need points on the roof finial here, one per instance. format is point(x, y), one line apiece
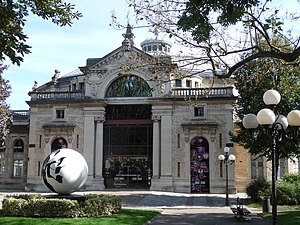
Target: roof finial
point(128, 38)
point(155, 32)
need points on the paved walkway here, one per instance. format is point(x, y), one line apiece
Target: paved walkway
point(181, 209)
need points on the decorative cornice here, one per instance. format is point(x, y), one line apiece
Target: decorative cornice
point(59, 126)
point(195, 125)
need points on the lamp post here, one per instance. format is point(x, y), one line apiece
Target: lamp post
point(227, 159)
point(274, 126)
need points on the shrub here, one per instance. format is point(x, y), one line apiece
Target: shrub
point(257, 188)
point(27, 196)
point(98, 205)
point(12, 206)
point(39, 206)
point(291, 178)
point(287, 193)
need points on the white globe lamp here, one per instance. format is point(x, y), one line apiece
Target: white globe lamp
point(250, 121)
point(294, 118)
point(271, 97)
point(266, 117)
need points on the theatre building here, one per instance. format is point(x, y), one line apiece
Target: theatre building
point(140, 120)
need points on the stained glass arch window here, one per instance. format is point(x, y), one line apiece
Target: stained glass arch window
point(59, 143)
point(199, 165)
point(129, 86)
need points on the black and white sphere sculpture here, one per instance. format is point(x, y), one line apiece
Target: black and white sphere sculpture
point(64, 171)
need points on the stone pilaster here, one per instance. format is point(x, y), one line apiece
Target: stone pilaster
point(162, 149)
point(99, 151)
point(156, 147)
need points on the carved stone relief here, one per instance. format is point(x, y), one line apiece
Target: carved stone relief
point(94, 80)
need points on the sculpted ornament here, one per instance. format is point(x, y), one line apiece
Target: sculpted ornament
point(94, 80)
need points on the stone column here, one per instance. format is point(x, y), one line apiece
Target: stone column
point(166, 145)
point(99, 147)
point(156, 147)
point(89, 136)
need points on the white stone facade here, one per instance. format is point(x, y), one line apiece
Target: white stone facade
point(62, 110)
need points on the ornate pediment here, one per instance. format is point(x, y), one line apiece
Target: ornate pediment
point(58, 129)
point(123, 60)
point(202, 128)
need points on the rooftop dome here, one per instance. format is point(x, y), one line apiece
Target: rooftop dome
point(156, 46)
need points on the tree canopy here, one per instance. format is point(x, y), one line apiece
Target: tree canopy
point(5, 113)
point(252, 80)
point(13, 19)
point(224, 30)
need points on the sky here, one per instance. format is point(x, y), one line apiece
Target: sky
point(67, 48)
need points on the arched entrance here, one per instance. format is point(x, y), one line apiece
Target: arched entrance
point(128, 135)
point(199, 165)
point(128, 146)
point(58, 143)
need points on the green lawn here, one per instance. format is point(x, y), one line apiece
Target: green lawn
point(286, 217)
point(126, 217)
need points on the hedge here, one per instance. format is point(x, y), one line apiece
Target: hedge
point(36, 205)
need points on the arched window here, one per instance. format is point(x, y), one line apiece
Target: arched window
point(2, 156)
point(129, 86)
point(2, 145)
point(19, 146)
point(59, 143)
point(199, 165)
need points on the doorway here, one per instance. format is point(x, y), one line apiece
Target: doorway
point(128, 138)
point(199, 165)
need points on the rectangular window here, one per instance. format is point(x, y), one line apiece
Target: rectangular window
point(77, 141)
point(177, 83)
point(18, 168)
point(296, 165)
point(2, 164)
point(73, 87)
point(257, 169)
point(188, 83)
point(178, 169)
point(81, 86)
point(178, 140)
point(199, 111)
point(221, 169)
point(40, 142)
point(281, 170)
point(60, 114)
point(196, 84)
point(39, 168)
